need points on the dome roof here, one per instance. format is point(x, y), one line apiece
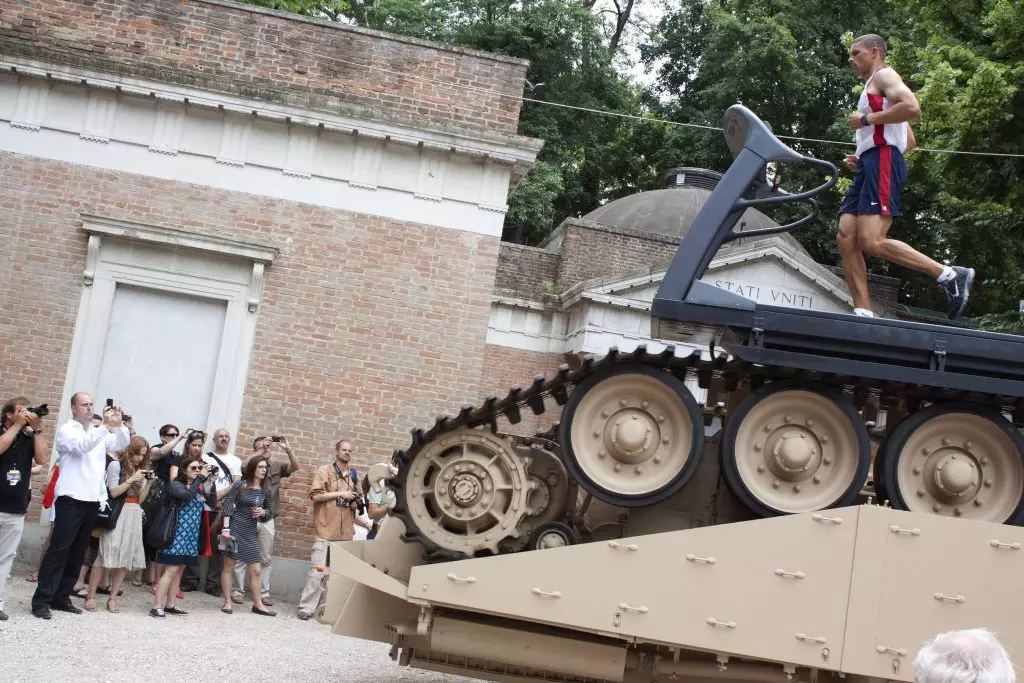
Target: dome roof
point(664, 212)
point(671, 211)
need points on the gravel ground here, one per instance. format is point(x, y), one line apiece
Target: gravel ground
point(99, 646)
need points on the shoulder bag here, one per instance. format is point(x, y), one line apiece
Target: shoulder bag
point(106, 518)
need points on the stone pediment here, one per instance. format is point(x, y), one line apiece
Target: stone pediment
point(766, 271)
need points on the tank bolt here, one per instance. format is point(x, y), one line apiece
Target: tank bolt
point(760, 467)
point(618, 422)
point(953, 457)
point(977, 502)
point(796, 488)
point(665, 440)
point(937, 508)
point(656, 459)
point(823, 438)
point(920, 493)
point(810, 423)
point(926, 451)
point(758, 446)
point(447, 506)
point(917, 470)
point(775, 483)
point(597, 435)
point(661, 418)
point(816, 479)
point(635, 417)
point(644, 404)
point(802, 435)
point(604, 413)
point(827, 461)
point(968, 445)
point(768, 427)
point(946, 441)
point(787, 419)
point(601, 454)
point(618, 467)
point(487, 487)
point(957, 512)
point(984, 460)
point(639, 470)
point(623, 402)
point(988, 483)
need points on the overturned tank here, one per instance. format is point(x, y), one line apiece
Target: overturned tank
point(754, 535)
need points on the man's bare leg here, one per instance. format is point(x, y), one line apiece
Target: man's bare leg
point(855, 270)
point(873, 234)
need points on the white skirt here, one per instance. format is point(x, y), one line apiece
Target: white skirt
point(121, 547)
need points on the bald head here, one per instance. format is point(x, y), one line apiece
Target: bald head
point(967, 656)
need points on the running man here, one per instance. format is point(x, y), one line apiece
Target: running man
point(883, 136)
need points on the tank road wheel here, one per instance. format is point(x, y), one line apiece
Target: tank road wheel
point(631, 435)
point(791, 447)
point(551, 535)
point(465, 492)
point(954, 460)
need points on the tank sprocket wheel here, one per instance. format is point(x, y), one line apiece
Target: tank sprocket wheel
point(631, 435)
point(793, 447)
point(955, 460)
point(463, 493)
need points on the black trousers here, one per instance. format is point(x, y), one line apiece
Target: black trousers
point(72, 529)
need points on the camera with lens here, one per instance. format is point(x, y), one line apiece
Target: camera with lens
point(41, 411)
point(149, 474)
point(214, 470)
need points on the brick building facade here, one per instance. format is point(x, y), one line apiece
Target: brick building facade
point(304, 218)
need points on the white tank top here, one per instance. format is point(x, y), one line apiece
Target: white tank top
point(892, 134)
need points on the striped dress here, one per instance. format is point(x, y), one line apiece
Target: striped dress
point(244, 527)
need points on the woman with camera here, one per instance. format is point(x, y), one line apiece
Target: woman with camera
point(120, 548)
point(247, 504)
point(189, 488)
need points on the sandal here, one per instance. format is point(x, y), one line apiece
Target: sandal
point(114, 609)
point(80, 593)
point(227, 610)
point(90, 605)
point(264, 612)
point(174, 610)
point(32, 578)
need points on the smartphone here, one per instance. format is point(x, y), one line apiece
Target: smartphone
point(110, 403)
point(275, 439)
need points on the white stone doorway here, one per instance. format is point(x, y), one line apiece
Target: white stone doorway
point(165, 325)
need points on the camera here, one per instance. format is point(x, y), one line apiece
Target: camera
point(276, 439)
point(149, 474)
point(41, 411)
point(214, 470)
point(125, 417)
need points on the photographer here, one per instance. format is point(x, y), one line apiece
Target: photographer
point(261, 447)
point(120, 548)
point(21, 445)
point(336, 503)
point(190, 489)
point(80, 490)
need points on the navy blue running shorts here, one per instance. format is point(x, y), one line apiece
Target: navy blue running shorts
point(880, 175)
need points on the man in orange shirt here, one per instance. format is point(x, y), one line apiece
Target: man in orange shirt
point(334, 494)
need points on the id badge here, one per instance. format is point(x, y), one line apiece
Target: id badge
point(13, 477)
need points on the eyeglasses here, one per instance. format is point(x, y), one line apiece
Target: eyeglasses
point(194, 468)
point(173, 436)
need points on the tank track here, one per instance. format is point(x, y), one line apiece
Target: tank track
point(720, 375)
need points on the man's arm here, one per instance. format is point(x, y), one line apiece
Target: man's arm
point(911, 140)
point(118, 439)
point(72, 443)
point(293, 462)
point(17, 424)
point(905, 106)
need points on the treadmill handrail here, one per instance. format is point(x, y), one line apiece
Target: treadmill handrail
point(753, 146)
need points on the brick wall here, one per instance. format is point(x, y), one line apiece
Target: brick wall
point(368, 326)
point(526, 272)
point(504, 367)
point(590, 250)
point(248, 51)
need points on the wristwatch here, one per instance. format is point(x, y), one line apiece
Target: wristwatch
point(864, 120)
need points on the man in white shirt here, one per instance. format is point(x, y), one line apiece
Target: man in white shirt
point(79, 493)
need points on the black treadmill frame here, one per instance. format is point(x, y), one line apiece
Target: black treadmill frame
point(939, 356)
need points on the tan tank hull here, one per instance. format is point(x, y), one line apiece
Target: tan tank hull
point(852, 592)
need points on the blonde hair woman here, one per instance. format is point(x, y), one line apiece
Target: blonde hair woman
point(121, 548)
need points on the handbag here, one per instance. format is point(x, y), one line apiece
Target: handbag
point(160, 534)
point(106, 518)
